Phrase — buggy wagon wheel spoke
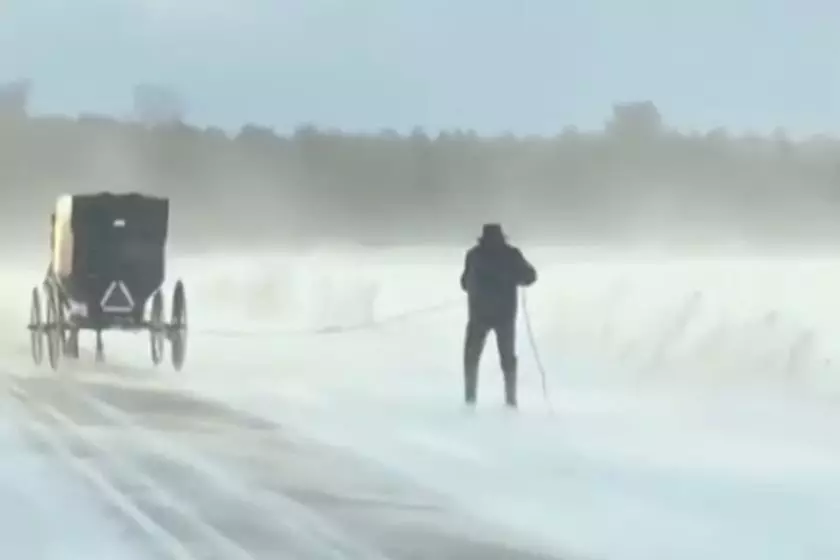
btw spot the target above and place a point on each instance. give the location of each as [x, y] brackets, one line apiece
[36, 327]
[54, 327]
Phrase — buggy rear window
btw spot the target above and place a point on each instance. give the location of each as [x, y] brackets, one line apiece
[137, 221]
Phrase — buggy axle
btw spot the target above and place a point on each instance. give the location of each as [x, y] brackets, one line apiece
[61, 332]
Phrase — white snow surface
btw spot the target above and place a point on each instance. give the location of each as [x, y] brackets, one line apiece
[45, 513]
[692, 410]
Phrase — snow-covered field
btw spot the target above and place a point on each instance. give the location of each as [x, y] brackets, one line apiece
[692, 405]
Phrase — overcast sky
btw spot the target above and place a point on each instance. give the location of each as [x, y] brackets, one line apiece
[493, 65]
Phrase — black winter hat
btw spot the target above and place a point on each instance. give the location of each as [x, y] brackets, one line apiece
[492, 232]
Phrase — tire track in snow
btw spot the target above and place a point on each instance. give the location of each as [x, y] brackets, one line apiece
[254, 486]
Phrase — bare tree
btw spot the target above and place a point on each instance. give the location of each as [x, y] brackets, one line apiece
[638, 119]
[157, 104]
[630, 182]
[14, 98]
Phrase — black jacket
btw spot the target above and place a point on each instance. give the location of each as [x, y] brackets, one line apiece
[492, 273]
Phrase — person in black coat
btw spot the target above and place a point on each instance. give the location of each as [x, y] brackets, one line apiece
[493, 271]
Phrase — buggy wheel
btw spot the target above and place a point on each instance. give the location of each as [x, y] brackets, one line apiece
[157, 332]
[36, 327]
[54, 327]
[178, 326]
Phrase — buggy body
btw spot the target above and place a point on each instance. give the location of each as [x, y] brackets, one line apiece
[107, 266]
[108, 256]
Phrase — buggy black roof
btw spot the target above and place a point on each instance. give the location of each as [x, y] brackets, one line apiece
[144, 215]
[106, 196]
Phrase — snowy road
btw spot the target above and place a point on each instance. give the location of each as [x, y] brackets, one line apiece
[199, 480]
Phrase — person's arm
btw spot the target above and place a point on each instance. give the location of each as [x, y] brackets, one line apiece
[527, 272]
[466, 272]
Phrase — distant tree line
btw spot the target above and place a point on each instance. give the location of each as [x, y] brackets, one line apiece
[636, 181]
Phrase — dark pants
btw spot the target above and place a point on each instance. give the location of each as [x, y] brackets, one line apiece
[476, 337]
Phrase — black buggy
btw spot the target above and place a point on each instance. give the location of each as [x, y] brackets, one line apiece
[107, 262]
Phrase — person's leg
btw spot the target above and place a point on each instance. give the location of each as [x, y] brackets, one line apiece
[506, 343]
[476, 336]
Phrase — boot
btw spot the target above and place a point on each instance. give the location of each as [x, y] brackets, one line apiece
[510, 389]
[470, 386]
